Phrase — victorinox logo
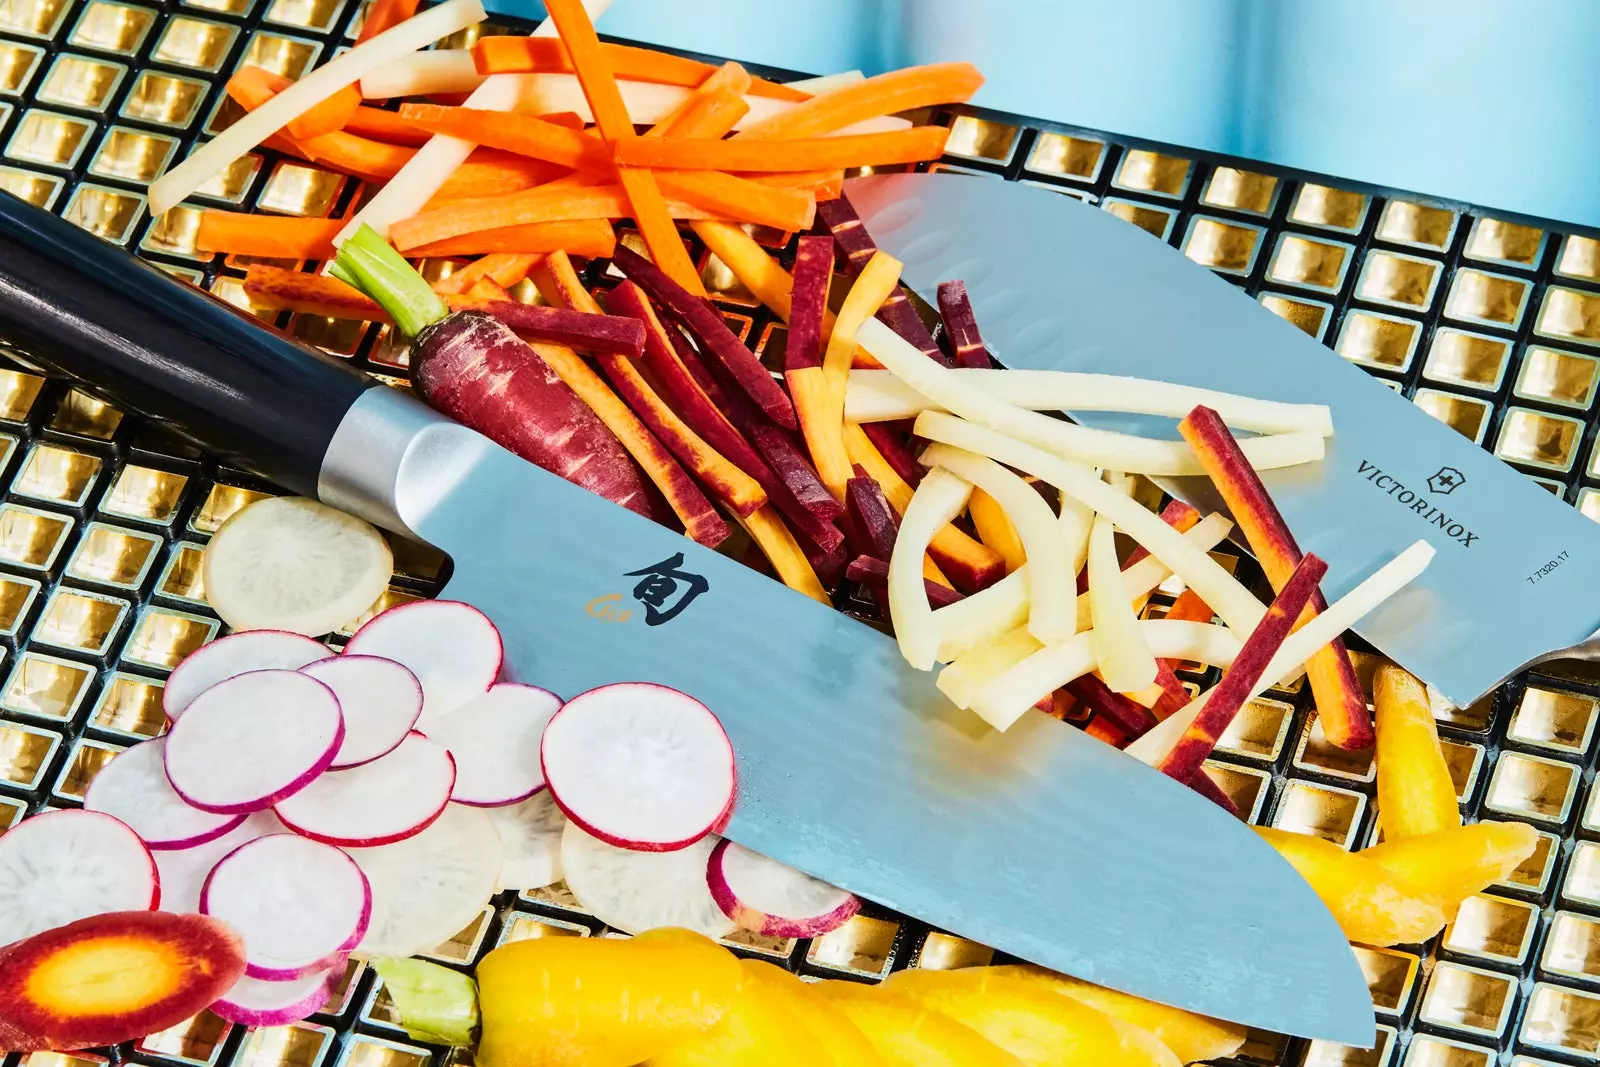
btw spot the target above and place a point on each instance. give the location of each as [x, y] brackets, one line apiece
[1446, 481]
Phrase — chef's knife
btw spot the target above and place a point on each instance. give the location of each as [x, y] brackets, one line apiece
[1059, 285]
[1040, 842]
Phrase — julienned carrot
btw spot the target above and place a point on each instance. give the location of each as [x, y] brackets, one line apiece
[874, 285]
[821, 414]
[961, 326]
[547, 55]
[471, 217]
[491, 172]
[784, 553]
[524, 134]
[593, 238]
[505, 269]
[823, 184]
[808, 303]
[859, 248]
[268, 236]
[714, 108]
[740, 198]
[253, 86]
[885, 94]
[360, 156]
[381, 125]
[849, 150]
[383, 14]
[569, 119]
[276, 289]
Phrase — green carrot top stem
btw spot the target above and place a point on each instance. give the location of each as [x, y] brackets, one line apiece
[367, 262]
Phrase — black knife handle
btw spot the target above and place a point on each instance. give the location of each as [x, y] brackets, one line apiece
[146, 341]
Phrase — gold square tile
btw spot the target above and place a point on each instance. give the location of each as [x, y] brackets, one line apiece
[1572, 948]
[31, 538]
[1569, 315]
[776, 949]
[1329, 208]
[522, 927]
[1391, 977]
[1311, 264]
[1240, 190]
[1533, 875]
[1317, 755]
[163, 99]
[289, 56]
[1581, 884]
[46, 687]
[81, 82]
[1560, 721]
[1538, 439]
[106, 26]
[1468, 1000]
[183, 579]
[109, 555]
[1247, 787]
[82, 415]
[183, 274]
[464, 946]
[232, 183]
[220, 504]
[337, 337]
[1580, 258]
[25, 754]
[129, 704]
[17, 595]
[1259, 731]
[237, 8]
[146, 494]
[1067, 156]
[1324, 811]
[1330, 1054]
[1466, 415]
[344, 990]
[363, 1051]
[389, 598]
[1386, 342]
[1474, 360]
[1493, 928]
[109, 214]
[11, 812]
[1229, 247]
[947, 952]
[33, 18]
[1405, 223]
[1499, 241]
[317, 16]
[1532, 788]
[17, 64]
[297, 1045]
[174, 234]
[1309, 315]
[1151, 172]
[49, 139]
[196, 1042]
[81, 621]
[1429, 1051]
[863, 946]
[163, 637]
[40, 190]
[297, 189]
[1465, 761]
[132, 155]
[1398, 280]
[1562, 1020]
[59, 475]
[1589, 501]
[723, 284]
[975, 138]
[198, 44]
[1491, 299]
[231, 289]
[1555, 377]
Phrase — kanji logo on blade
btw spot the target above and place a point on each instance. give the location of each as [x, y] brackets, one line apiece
[1446, 481]
[665, 589]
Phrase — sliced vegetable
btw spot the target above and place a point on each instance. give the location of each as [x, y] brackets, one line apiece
[288, 563]
[133, 788]
[764, 1026]
[253, 86]
[961, 325]
[1130, 718]
[393, 798]
[380, 700]
[269, 236]
[384, 14]
[968, 674]
[635, 891]
[788, 560]
[1459, 862]
[905, 1033]
[435, 1003]
[730, 196]
[891, 445]
[380, 125]
[505, 269]
[939, 499]
[997, 531]
[593, 331]
[255, 1002]
[874, 573]
[60, 866]
[437, 72]
[453, 649]
[858, 248]
[251, 650]
[587, 237]
[915, 145]
[885, 94]
[494, 741]
[873, 285]
[517, 55]
[773, 900]
[1123, 658]
[1416, 794]
[530, 838]
[528, 135]
[184, 871]
[1372, 905]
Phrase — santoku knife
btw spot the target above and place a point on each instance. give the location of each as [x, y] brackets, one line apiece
[1041, 842]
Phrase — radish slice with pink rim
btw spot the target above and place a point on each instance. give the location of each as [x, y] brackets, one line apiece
[774, 900]
[63, 866]
[381, 701]
[253, 740]
[495, 742]
[640, 766]
[133, 787]
[452, 648]
[530, 835]
[252, 650]
[638, 891]
[184, 870]
[300, 905]
[390, 799]
[255, 1002]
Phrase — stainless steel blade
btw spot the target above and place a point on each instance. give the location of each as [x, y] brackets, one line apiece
[1041, 842]
[1057, 284]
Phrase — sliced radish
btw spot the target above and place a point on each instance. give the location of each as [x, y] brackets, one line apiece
[300, 905]
[255, 1002]
[253, 740]
[640, 766]
[184, 871]
[495, 742]
[452, 648]
[134, 788]
[288, 563]
[381, 701]
[768, 898]
[390, 799]
[638, 891]
[63, 866]
[530, 837]
[252, 650]
[427, 888]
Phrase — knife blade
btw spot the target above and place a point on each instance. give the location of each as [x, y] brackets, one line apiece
[1040, 842]
[1059, 285]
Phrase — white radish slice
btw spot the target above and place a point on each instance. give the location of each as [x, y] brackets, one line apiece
[530, 837]
[495, 742]
[63, 866]
[640, 766]
[288, 563]
[638, 891]
[768, 898]
[381, 701]
[427, 888]
[184, 871]
[390, 799]
[300, 905]
[251, 650]
[255, 1002]
[452, 648]
[253, 740]
[133, 787]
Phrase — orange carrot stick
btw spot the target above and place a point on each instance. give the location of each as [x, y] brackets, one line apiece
[548, 55]
[853, 150]
[546, 203]
[384, 14]
[784, 553]
[823, 184]
[381, 125]
[569, 119]
[490, 171]
[886, 94]
[524, 134]
[722, 92]
[505, 269]
[253, 86]
[593, 238]
[372, 160]
[739, 198]
[268, 236]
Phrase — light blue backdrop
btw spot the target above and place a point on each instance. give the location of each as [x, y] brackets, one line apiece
[1493, 102]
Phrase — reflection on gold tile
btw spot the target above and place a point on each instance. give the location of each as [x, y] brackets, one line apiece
[81, 82]
[226, 287]
[222, 7]
[1478, 296]
[1532, 787]
[722, 284]
[1152, 172]
[863, 945]
[46, 686]
[111, 27]
[1240, 190]
[49, 139]
[82, 415]
[1309, 315]
[1334, 209]
[1589, 501]
[1464, 761]
[145, 493]
[1391, 977]
[1324, 811]
[1386, 342]
[339, 337]
[1468, 999]
[1569, 314]
[57, 474]
[174, 234]
[1556, 377]
[80, 621]
[1474, 360]
[1312, 264]
[233, 182]
[1403, 222]
[297, 189]
[31, 538]
[107, 213]
[1562, 1020]
[1492, 928]
[1429, 1051]
[107, 555]
[40, 190]
[1155, 221]
[1533, 874]
[777, 949]
[363, 1051]
[17, 595]
[1247, 787]
[295, 1045]
[464, 946]
[196, 43]
[33, 18]
[1392, 278]
[1222, 246]
[88, 759]
[1580, 258]
[1538, 439]
[17, 64]
[164, 99]
[1582, 882]
[975, 138]
[289, 56]
[1505, 242]
[25, 754]
[947, 952]
[11, 812]
[1549, 718]
[219, 506]
[1329, 1054]
[1465, 415]
[196, 1042]
[132, 155]
[315, 15]
[1067, 156]
[1572, 948]
[129, 704]
[1259, 730]
[524, 927]
[387, 599]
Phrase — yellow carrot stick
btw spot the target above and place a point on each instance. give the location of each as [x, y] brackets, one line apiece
[1415, 792]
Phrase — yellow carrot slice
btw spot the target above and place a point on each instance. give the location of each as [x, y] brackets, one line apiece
[871, 288]
[1460, 862]
[1415, 792]
[784, 553]
[997, 531]
[1372, 905]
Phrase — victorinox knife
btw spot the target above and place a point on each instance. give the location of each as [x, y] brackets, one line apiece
[1041, 842]
[1059, 285]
